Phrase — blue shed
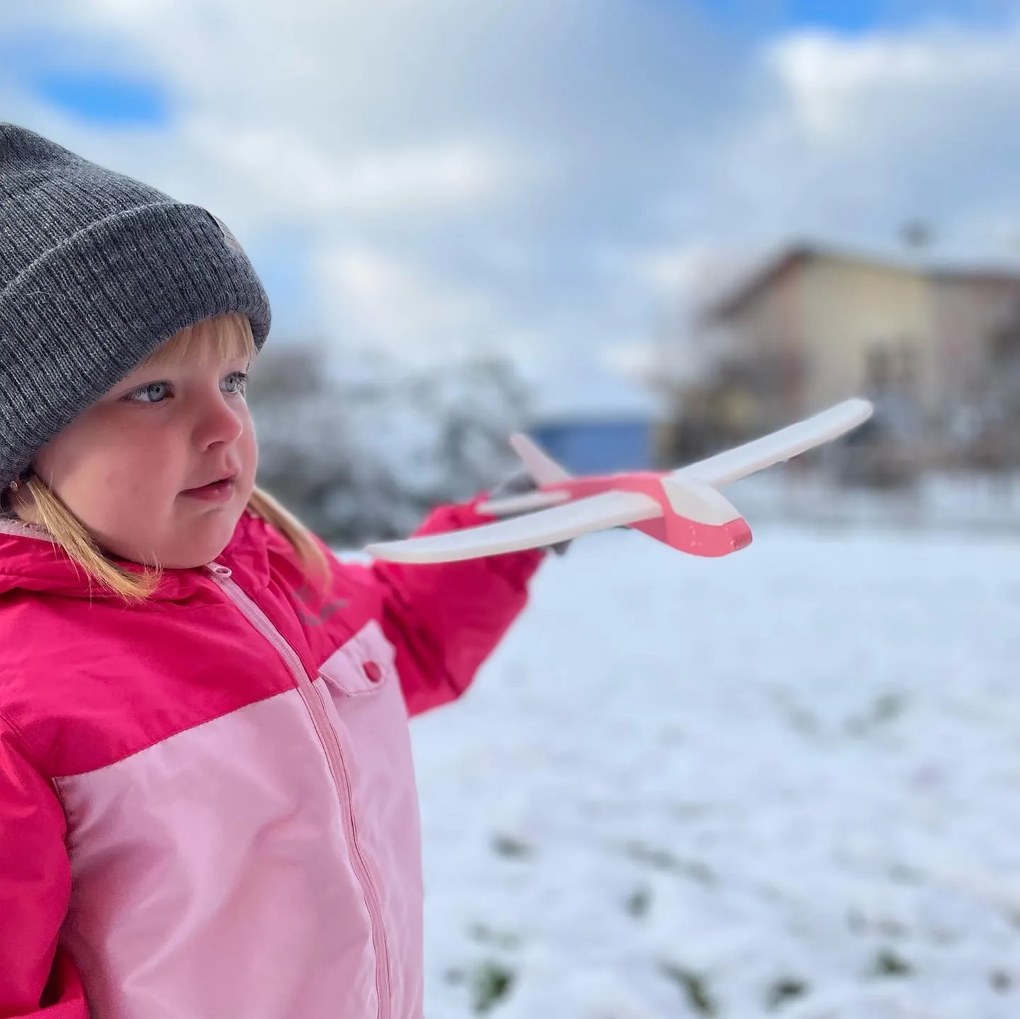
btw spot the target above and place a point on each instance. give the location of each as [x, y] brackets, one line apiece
[594, 422]
[597, 446]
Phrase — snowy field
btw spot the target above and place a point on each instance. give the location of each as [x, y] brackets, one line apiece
[783, 783]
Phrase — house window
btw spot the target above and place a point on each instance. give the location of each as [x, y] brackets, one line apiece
[891, 365]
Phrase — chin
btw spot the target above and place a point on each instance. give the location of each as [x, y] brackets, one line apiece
[193, 554]
[198, 556]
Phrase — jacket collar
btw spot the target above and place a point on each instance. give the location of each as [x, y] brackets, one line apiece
[30, 560]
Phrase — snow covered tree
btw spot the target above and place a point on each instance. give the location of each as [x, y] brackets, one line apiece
[362, 450]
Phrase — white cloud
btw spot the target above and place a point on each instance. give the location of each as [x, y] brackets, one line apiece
[294, 174]
[382, 303]
[447, 176]
[843, 90]
[690, 273]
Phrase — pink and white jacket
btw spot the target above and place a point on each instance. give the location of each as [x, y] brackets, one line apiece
[207, 805]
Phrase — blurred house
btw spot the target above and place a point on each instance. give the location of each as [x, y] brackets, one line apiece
[594, 422]
[928, 343]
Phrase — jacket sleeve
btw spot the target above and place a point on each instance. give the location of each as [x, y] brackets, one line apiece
[37, 978]
[446, 618]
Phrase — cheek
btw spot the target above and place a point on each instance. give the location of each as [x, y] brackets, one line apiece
[65, 459]
[87, 466]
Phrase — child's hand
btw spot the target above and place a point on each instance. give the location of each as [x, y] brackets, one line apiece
[520, 483]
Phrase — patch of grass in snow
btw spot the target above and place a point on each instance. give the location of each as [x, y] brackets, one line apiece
[886, 709]
[890, 964]
[487, 935]
[884, 926]
[663, 859]
[691, 811]
[694, 986]
[784, 990]
[638, 902]
[799, 718]
[1000, 980]
[510, 847]
[904, 874]
[489, 982]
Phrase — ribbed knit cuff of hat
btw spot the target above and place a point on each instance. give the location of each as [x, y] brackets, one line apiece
[84, 314]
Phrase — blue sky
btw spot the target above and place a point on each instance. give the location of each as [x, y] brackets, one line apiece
[105, 97]
[849, 17]
[560, 183]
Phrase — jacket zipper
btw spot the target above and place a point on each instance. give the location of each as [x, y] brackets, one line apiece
[333, 750]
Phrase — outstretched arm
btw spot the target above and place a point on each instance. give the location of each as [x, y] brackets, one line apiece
[446, 618]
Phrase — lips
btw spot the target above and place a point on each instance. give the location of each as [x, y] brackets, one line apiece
[222, 484]
[213, 481]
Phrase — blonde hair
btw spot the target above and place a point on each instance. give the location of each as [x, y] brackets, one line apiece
[226, 332]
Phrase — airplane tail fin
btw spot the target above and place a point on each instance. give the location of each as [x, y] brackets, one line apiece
[544, 470]
[541, 466]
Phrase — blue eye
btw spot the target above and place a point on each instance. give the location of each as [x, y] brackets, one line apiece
[154, 392]
[236, 382]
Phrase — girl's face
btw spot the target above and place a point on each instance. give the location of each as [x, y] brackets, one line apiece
[160, 469]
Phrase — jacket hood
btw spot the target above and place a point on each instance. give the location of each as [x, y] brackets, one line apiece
[30, 560]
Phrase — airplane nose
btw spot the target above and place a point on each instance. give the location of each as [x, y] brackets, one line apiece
[698, 501]
[714, 540]
[739, 533]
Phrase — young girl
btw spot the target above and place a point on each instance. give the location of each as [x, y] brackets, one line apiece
[207, 806]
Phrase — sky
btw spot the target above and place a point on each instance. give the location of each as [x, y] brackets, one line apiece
[559, 183]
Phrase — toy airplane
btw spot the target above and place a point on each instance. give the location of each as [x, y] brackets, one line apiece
[683, 508]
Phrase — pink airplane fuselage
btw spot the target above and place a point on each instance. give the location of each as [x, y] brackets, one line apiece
[671, 528]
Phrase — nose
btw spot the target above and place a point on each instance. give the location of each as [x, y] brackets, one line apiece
[220, 421]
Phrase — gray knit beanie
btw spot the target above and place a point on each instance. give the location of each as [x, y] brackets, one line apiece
[96, 271]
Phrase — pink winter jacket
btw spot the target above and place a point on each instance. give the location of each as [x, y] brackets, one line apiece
[207, 806]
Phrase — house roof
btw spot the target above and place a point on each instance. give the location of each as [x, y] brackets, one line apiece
[774, 265]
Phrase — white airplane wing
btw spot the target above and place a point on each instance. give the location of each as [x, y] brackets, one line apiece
[508, 505]
[537, 530]
[733, 464]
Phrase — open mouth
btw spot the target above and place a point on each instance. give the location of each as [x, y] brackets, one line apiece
[222, 488]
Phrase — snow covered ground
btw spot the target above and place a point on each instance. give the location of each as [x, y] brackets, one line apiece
[782, 783]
